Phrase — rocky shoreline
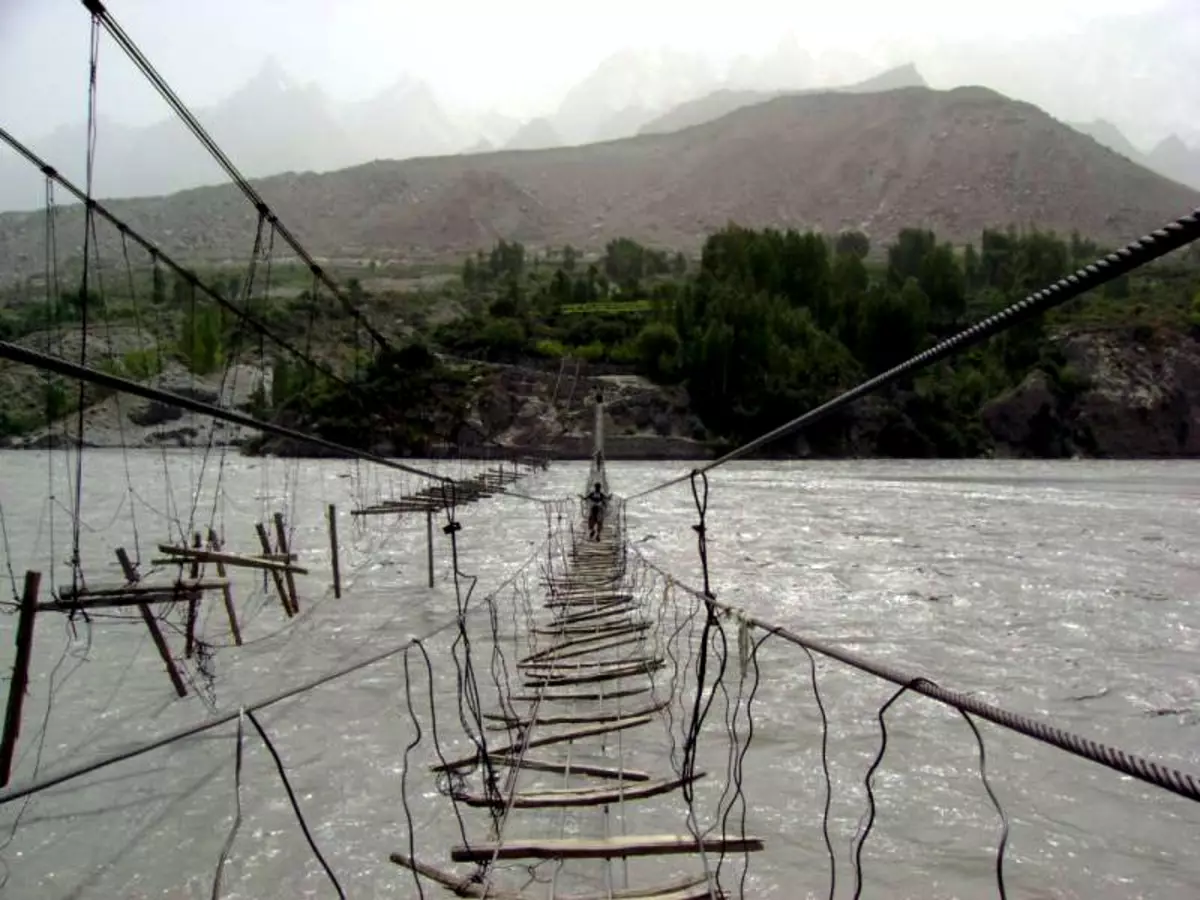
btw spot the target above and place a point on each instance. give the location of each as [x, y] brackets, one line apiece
[1138, 397]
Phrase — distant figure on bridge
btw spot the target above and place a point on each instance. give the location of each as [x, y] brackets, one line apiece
[597, 501]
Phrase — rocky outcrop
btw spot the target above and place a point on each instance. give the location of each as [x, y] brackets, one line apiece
[535, 410]
[1131, 394]
[133, 422]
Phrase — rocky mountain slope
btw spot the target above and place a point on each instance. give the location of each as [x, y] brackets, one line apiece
[954, 161]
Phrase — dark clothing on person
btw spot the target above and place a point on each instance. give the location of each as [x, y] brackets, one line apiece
[596, 503]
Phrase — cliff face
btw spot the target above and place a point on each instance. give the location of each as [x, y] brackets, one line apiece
[1139, 397]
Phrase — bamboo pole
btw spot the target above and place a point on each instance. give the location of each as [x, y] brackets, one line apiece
[20, 675]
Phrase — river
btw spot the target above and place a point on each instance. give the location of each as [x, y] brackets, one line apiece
[1066, 590]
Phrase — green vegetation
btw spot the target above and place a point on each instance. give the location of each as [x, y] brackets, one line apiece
[764, 325]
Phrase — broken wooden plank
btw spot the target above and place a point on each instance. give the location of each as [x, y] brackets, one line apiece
[571, 797]
[603, 848]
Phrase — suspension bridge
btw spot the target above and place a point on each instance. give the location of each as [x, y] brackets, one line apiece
[594, 741]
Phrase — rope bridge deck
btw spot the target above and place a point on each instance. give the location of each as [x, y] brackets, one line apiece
[562, 787]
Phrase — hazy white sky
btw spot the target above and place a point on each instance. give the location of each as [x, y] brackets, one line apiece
[517, 56]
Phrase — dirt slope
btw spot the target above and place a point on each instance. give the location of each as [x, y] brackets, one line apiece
[955, 161]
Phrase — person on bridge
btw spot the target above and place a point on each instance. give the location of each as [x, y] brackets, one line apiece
[597, 501]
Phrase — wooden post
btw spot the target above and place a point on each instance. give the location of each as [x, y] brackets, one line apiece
[20, 675]
[214, 543]
[281, 538]
[429, 542]
[333, 551]
[189, 644]
[156, 634]
[275, 574]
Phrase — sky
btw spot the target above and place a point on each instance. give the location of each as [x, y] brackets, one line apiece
[515, 57]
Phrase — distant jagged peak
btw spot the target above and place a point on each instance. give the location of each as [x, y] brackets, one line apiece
[270, 77]
[1171, 145]
[902, 76]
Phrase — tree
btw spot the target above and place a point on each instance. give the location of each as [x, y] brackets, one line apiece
[569, 257]
[854, 243]
[658, 351]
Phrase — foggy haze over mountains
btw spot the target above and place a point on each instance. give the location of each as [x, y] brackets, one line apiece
[1127, 79]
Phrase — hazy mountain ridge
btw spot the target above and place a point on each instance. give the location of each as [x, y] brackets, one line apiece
[954, 161]
[1170, 157]
[274, 124]
[724, 101]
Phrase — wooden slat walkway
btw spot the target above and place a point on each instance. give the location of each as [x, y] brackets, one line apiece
[591, 655]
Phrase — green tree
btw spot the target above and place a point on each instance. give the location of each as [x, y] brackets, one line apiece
[853, 243]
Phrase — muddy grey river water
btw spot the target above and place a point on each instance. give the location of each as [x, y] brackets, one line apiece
[1063, 590]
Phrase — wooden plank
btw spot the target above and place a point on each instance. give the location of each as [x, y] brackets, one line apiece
[460, 885]
[571, 797]
[593, 678]
[576, 618]
[577, 734]
[231, 559]
[583, 646]
[574, 718]
[555, 666]
[621, 846]
[573, 768]
[597, 628]
[551, 696]
[67, 594]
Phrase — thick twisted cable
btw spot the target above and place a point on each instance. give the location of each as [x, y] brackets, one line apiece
[1131, 764]
[1147, 248]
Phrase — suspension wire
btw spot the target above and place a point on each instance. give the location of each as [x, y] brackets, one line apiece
[1145, 249]
[37, 359]
[287, 786]
[865, 828]
[88, 222]
[157, 254]
[96, 8]
[1170, 779]
[237, 815]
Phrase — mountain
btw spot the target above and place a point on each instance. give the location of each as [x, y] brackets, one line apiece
[954, 161]
[271, 124]
[1171, 157]
[536, 134]
[1110, 136]
[403, 120]
[722, 102]
[650, 80]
